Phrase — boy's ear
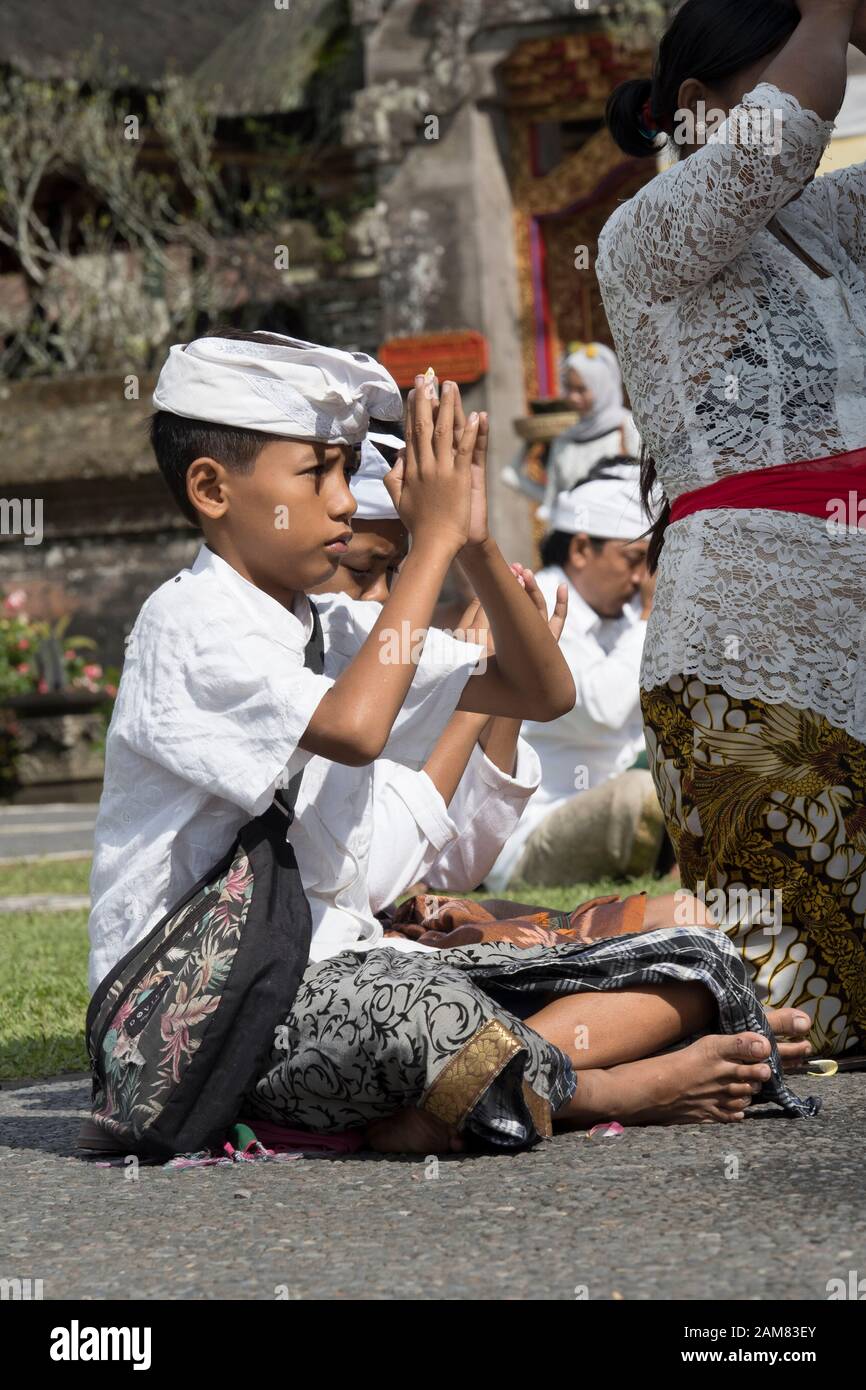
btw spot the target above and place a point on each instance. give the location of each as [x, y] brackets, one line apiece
[204, 487]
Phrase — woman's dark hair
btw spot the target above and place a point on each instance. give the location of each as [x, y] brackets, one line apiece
[177, 440]
[710, 40]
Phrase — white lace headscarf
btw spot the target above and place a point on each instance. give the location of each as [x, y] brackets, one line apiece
[599, 369]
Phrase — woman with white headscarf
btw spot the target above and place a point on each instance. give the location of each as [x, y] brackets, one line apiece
[592, 385]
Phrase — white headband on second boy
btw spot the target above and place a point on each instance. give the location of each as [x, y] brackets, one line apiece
[606, 508]
[297, 389]
[368, 489]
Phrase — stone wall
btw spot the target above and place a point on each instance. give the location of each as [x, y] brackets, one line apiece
[111, 530]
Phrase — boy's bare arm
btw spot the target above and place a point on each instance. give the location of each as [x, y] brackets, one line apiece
[499, 740]
[528, 678]
[452, 751]
[431, 490]
[497, 737]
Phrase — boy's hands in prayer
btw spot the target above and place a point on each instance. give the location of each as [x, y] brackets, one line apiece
[556, 620]
[478, 526]
[475, 624]
[430, 483]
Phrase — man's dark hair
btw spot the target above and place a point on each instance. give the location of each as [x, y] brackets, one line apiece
[177, 440]
[555, 546]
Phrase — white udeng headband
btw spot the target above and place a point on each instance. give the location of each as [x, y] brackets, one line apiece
[296, 389]
[368, 489]
[607, 508]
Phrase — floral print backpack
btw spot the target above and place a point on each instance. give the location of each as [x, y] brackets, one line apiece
[182, 1027]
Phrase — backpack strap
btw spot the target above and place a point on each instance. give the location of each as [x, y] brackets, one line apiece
[314, 660]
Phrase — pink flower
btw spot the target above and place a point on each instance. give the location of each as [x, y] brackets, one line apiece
[111, 690]
[22, 669]
[42, 687]
[15, 601]
[69, 655]
[23, 644]
[93, 672]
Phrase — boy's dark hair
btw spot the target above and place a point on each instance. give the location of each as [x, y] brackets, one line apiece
[177, 440]
[555, 546]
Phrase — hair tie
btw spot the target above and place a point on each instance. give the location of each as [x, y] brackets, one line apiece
[647, 121]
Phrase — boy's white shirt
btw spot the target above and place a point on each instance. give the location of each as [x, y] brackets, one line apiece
[212, 703]
[603, 733]
[487, 803]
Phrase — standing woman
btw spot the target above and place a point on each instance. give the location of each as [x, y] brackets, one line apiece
[735, 288]
[592, 384]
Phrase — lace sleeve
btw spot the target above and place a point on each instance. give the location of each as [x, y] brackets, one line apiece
[694, 218]
[846, 193]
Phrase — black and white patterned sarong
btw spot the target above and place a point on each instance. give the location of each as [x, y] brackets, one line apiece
[371, 1032]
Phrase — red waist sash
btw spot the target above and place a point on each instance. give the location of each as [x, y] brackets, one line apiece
[833, 488]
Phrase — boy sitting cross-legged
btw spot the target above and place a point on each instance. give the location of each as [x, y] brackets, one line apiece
[215, 709]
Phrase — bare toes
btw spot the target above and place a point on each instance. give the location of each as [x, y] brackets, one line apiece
[760, 1073]
[788, 1021]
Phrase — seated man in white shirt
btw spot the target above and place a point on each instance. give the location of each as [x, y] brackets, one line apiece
[595, 814]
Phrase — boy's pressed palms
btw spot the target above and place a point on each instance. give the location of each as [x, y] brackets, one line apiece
[430, 484]
[479, 530]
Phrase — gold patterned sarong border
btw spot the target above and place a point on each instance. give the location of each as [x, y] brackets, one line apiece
[464, 1079]
[539, 1109]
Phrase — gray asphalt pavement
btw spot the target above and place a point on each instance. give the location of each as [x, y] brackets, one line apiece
[59, 828]
[770, 1209]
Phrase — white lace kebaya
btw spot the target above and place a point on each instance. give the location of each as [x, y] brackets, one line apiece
[737, 356]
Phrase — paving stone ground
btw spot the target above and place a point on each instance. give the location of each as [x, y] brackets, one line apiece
[656, 1214]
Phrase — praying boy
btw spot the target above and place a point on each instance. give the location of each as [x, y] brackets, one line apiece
[420, 1048]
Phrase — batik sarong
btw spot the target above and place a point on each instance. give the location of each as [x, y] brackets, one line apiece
[766, 808]
[373, 1032]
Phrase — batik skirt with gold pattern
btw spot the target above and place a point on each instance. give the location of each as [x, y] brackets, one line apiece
[766, 808]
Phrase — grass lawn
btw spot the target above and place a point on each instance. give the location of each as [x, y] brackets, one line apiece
[43, 962]
[45, 876]
[43, 993]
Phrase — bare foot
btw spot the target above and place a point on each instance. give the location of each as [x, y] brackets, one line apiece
[412, 1131]
[789, 1023]
[714, 1079]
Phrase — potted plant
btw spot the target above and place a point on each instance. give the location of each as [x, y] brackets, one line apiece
[55, 704]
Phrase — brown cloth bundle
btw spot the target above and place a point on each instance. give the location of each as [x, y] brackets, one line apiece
[437, 920]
